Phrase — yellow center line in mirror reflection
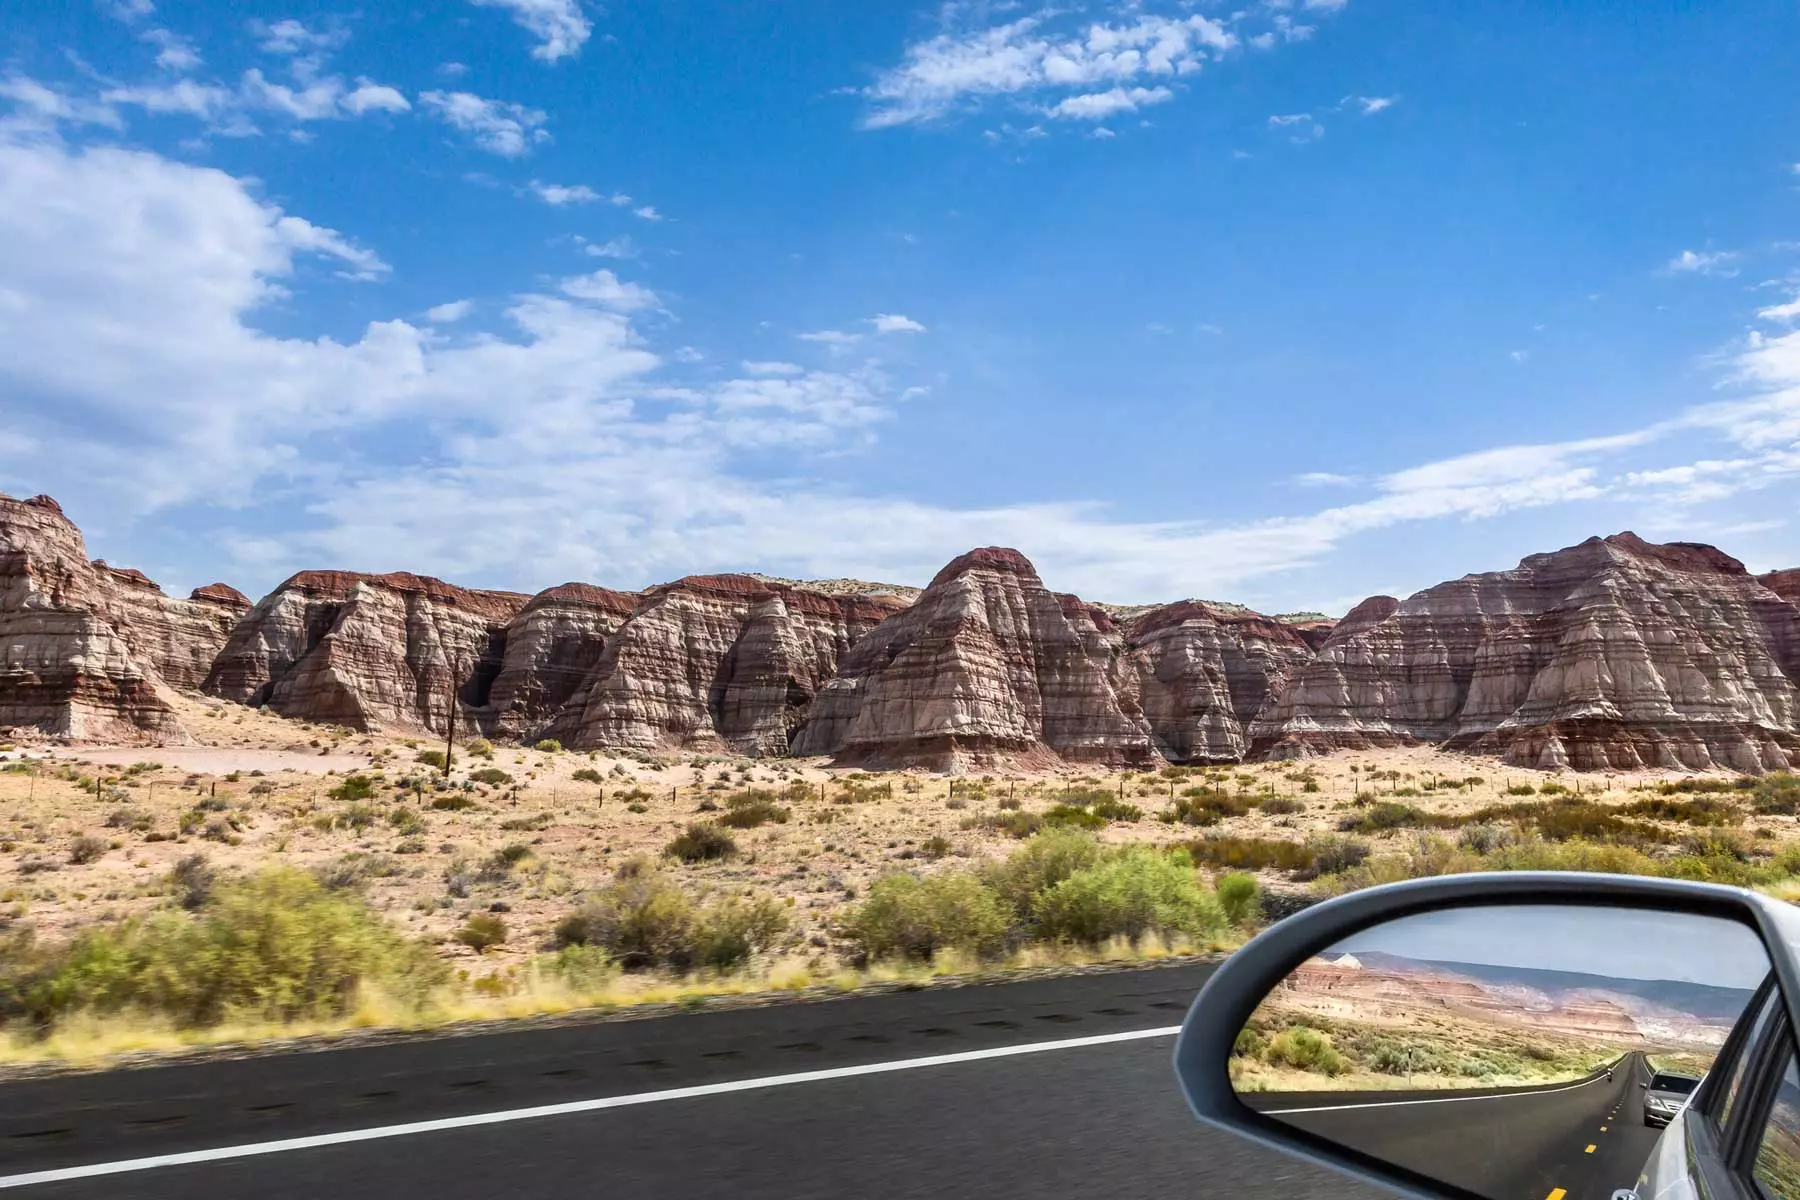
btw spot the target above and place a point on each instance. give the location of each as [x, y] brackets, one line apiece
[1589, 1150]
[1556, 1194]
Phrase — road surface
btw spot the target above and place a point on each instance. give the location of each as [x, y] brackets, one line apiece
[1046, 1089]
[1564, 1142]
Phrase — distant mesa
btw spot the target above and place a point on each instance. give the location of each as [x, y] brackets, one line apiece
[1613, 653]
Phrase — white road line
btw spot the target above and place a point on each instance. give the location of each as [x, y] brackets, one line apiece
[285, 1145]
[1273, 1112]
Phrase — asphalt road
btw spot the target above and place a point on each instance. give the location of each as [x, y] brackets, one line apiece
[1561, 1142]
[1088, 1120]
[1047, 1089]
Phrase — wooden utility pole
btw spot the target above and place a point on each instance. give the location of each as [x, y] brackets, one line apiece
[450, 719]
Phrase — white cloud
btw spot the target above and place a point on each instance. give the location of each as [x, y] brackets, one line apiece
[1024, 58]
[374, 97]
[1518, 356]
[619, 247]
[314, 101]
[1370, 105]
[772, 368]
[1702, 262]
[1097, 106]
[445, 314]
[129, 10]
[604, 288]
[1789, 311]
[183, 97]
[1301, 126]
[646, 212]
[497, 126]
[559, 194]
[1324, 479]
[38, 108]
[835, 338]
[1329, 6]
[895, 323]
[291, 38]
[559, 25]
[1102, 133]
[1282, 120]
[173, 52]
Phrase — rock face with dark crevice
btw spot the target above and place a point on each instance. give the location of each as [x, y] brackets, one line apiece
[368, 651]
[717, 662]
[552, 647]
[1615, 653]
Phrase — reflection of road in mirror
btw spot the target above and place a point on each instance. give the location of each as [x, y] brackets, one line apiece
[1501, 1049]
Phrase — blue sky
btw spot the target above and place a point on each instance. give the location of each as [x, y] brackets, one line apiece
[1288, 303]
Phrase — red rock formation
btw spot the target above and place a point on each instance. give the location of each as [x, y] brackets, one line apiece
[717, 662]
[1615, 653]
[1785, 584]
[176, 639]
[67, 666]
[986, 662]
[1204, 675]
[552, 647]
[367, 651]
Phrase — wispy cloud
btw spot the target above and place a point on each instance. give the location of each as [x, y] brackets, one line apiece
[895, 323]
[453, 311]
[558, 194]
[560, 26]
[1704, 262]
[831, 337]
[497, 126]
[1368, 106]
[1064, 65]
[1324, 479]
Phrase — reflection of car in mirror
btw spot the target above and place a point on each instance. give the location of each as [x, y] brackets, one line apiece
[1527, 1036]
[1665, 1094]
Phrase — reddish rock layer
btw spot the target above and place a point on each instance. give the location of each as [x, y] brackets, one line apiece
[68, 663]
[1615, 653]
[552, 646]
[716, 662]
[367, 651]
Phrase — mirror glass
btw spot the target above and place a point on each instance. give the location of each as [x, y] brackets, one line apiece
[1519, 1052]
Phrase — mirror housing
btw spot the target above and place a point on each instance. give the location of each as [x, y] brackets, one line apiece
[1203, 1051]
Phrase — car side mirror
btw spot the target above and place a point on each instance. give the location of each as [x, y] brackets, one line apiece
[1460, 1036]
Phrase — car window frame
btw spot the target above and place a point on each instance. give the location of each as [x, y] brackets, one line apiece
[1709, 1098]
[1783, 1048]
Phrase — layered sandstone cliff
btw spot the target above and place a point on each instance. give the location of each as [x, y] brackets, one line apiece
[1204, 675]
[990, 663]
[1615, 653]
[367, 651]
[722, 662]
[85, 648]
[552, 647]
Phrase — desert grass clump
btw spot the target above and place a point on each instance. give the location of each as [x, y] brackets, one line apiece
[702, 842]
[644, 919]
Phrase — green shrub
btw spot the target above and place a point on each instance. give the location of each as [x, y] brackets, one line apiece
[548, 746]
[1073, 816]
[192, 880]
[1133, 893]
[479, 748]
[273, 946]
[1282, 806]
[1488, 837]
[1207, 806]
[1015, 823]
[589, 775]
[1702, 786]
[451, 803]
[908, 917]
[644, 919]
[1305, 1050]
[702, 842]
[1704, 810]
[1521, 789]
[431, 758]
[87, 848]
[1332, 854]
[1117, 810]
[492, 776]
[748, 809]
[482, 932]
[935, 847]
[406, 821]
[1041, 863]
[1391, 815]
[353, 787]
[1240, 899]
[1251, 853]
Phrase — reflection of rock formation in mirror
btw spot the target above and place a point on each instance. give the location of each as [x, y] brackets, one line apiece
[1630, 1013]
